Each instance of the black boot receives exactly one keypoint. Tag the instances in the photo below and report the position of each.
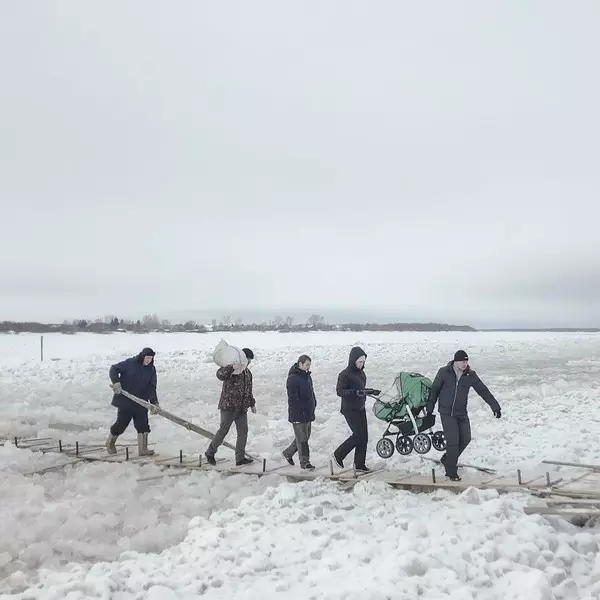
(210, 459)
(243, 461)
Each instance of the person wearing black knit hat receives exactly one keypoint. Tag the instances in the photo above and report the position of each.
(136, 375)
(236, 398)
(450, 389)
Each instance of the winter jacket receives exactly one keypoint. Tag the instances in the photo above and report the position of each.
(237, 389)
(301, 396)
(137, 379)
(452, 395)
(351, 383)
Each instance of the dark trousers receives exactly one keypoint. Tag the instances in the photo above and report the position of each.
(228, 417)
(457, 431)
(357, 421)
(124, 416)
(300, 443)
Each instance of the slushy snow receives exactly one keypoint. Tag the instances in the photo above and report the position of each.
(125, 531)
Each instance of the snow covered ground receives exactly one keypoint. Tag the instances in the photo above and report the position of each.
(98, 531)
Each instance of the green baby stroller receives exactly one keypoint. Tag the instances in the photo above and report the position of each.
(401, 407)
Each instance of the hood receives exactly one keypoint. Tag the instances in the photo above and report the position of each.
(296, 370)
(146, 352)
(355, 354)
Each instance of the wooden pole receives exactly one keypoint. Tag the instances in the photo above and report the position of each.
(42, 348)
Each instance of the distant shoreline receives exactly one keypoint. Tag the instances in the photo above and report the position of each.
(116, 326)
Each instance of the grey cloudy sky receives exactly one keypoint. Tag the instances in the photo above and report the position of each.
(434, 161)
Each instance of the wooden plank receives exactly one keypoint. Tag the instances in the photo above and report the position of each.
(562, 512)
(571, 464)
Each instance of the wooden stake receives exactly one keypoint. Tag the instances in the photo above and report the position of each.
(60, 445)
(264, 465)
(126, 452)
(547, 479)
(16, 442)
(199, 460)
(331, 467)
(180, 456)
(519, 477)
(76, 448)
(433, 475)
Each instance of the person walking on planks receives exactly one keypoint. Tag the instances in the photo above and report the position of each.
(351, 388)
(236, 399)
(301, 410)
(136, 375)
(451, 388)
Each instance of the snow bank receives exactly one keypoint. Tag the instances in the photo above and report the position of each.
(90, 529)
(311, 540)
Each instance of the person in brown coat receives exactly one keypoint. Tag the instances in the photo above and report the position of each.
(236, 399)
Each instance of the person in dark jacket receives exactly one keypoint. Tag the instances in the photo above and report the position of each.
(236, 399)
(450, 389)
(136, 375)
(351, 388)
(301, 410)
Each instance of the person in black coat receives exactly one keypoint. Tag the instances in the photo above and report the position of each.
(450, 389)
(301, 410)
(351, 388)
(136, 375)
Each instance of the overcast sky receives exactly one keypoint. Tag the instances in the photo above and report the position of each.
(423, 160)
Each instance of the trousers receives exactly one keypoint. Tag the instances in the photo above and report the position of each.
(124, 417)
(300, 443)
(228, 417)
(457, 431)
(357, 421)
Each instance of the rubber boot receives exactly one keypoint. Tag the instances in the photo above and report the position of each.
(143, 445)
(110, 443)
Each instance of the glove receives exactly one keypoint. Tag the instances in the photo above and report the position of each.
(372, 392)
(117, 389)
(498, 413)
(253, 409)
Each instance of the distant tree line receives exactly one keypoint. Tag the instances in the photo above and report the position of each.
(152, 323)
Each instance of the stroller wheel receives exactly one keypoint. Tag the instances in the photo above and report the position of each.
(384, 448)
(404, 445)
(439, 441)
(422, 443)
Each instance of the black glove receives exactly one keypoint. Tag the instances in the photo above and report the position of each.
(498, 413)
(372, 392)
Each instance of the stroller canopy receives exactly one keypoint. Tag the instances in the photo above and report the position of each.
(410, 391)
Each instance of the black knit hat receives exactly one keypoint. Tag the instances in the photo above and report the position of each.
(147, 352)
(460, 355)
(249, 354)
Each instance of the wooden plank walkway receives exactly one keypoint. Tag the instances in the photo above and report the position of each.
(565, 489)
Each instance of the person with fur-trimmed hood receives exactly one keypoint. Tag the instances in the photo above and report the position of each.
(351, 388)
(301, 410)
(236, 398)
(450, 389)
(136, 375)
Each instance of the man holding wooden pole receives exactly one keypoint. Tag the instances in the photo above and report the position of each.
(136, 375)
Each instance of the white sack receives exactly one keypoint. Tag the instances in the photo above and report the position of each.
(225, 355)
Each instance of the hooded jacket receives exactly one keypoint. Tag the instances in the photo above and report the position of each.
(452, 394)
(236, 393)
(137, 379)
(351, 383)
(301, 396)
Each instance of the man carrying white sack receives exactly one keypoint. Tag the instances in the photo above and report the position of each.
(236, 399)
